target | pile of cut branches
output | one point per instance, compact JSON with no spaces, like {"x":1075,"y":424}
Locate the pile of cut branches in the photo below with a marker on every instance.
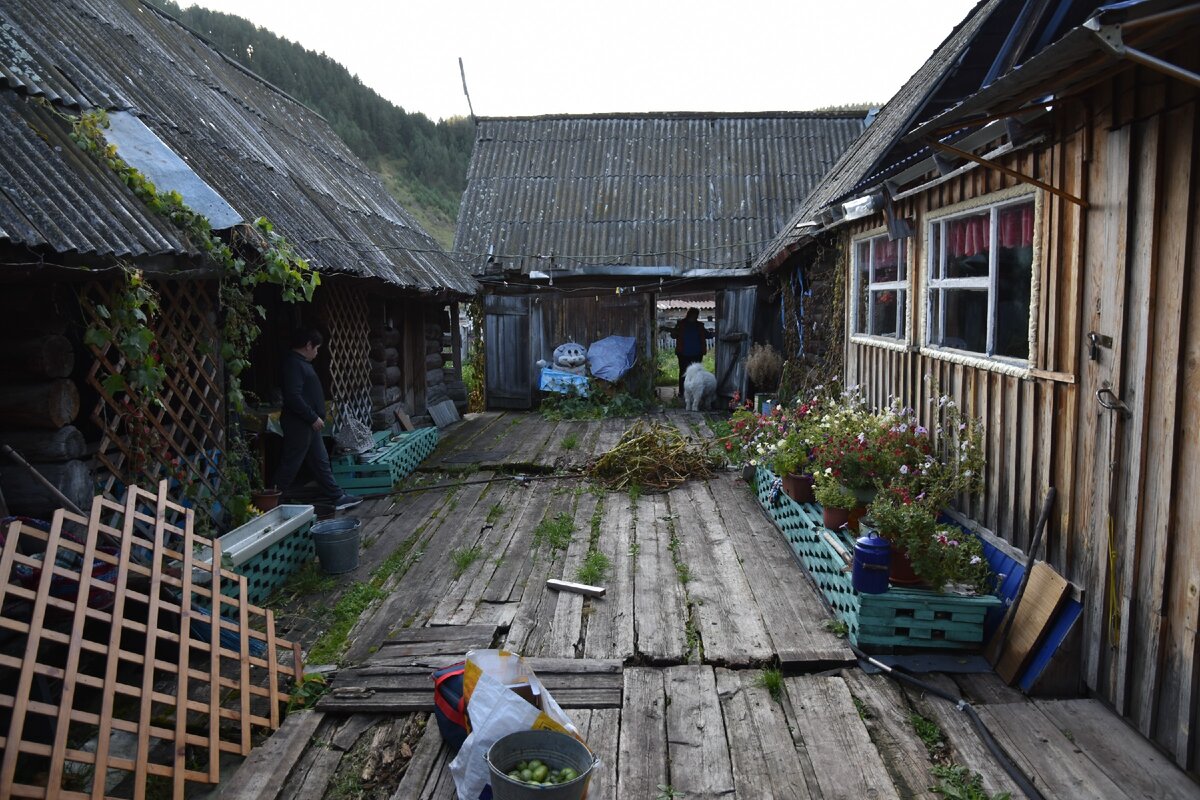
{"x":654,"y":457}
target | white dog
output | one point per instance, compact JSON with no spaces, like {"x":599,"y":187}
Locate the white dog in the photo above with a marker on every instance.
{"x":699,"y":388}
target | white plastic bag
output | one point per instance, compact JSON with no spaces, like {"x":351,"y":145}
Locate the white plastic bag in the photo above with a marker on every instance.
{"x":495,"y":710}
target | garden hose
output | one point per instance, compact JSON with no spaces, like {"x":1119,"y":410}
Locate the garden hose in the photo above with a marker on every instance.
{"x":1002,"y":758}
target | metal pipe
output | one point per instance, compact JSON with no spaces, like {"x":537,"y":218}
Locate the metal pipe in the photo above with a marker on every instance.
{"x":63,"y":500}
{"x":1165,"y":67}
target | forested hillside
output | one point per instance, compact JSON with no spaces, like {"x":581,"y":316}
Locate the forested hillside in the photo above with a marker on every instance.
{"x":423,"y":163}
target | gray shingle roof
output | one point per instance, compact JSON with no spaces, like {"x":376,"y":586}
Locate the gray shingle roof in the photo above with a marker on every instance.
{"x":687,"y":190}
{"x":863,"y":158}
{"x":265,"y":153}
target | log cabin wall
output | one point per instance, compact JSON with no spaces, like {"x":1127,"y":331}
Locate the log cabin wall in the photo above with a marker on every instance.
{"x":1128,"y":510}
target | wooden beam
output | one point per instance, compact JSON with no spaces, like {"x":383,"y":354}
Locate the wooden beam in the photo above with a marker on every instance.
{"x":1012,"y":173}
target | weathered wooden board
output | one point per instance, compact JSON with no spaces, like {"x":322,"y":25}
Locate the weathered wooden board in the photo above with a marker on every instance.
{"x":530,"y":629}
{"x":610,"y":623}
{"x":844,"y":760}
{"x":1044,"y":595}
{"x":412,"y":596}
{"x":427,"y":776}
{"x":561,"y":632}
{"x":396,"y":689}
{"x":792,"y":609}
{"x":261,"y":776}
{"x":506,"y":583}
{"x":966,"y":748}
{"x":1046,"y":754}
{"x":699,"y":752}
{"x":766,"y":764}
{"x":728,"y":619}
{"x":660,"y":607}
{"x":887,"y":717}
{"x":642,"y":747}
{"x":444,"y":640}
{"x":1118,"y":750}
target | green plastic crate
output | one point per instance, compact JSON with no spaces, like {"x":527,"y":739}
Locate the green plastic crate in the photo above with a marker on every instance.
{"x":898,"y":618}
{"x":394,"y":457}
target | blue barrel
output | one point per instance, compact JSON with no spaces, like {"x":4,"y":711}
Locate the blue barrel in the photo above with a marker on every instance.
{"x":872,"y":562}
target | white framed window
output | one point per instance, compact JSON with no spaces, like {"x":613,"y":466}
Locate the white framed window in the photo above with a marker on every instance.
{"x":880,"y":287}
{"x":978,"y":294}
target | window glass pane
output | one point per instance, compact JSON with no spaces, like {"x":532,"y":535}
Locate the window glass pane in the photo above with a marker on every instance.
{"x":1014,"y":265}
{"x":901,"y":261}
{"x":862,"y":279}
{"x":932,"y":324}
{"x":935,"y":253}
{"x":965,"y":319}
{"x":967,"y":244}
{"x":883,"y":322}
{"x":887,"y":259}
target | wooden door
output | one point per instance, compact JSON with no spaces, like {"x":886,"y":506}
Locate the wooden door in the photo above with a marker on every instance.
{"x":735,"y":321}
{"x":506,"y":349}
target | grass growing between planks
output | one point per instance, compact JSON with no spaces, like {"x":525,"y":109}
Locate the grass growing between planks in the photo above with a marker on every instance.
{"x":360,"y":596}
{"x":557,"y":532}
{"x":464,"y":557}
{"x":596,"y":565}
{"x":771,"y":679}
{"x":955,"y":782}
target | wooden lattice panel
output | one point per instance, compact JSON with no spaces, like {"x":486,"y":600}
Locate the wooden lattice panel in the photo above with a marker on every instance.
{"x":114,"y":643}
{"x":343,"y":309}
{"x":187,"y":431}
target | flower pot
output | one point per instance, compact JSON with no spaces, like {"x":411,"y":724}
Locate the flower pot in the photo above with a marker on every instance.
{"x":799,"y":488}
{"x":265,"y":499}
{"x":854,"y":515}
{"x":865,"y":496}
{"x":835,"y":518}
{"x":901,"y":573}
{"x":748,"y":472}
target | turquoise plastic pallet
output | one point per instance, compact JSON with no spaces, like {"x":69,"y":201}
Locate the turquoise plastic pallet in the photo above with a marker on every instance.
{"x":394,"y":457}
{"x":898,"y":618}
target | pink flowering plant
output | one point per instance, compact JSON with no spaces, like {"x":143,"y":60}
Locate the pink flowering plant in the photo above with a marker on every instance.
{"x":951,"y":560}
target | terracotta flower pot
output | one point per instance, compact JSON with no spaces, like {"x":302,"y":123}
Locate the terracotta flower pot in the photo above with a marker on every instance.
{"x":901,"y":573}
{"x":799,"y":488}
{"x":265,"y":499}
{"x":854,"y":515}
{"x":835,"y":518}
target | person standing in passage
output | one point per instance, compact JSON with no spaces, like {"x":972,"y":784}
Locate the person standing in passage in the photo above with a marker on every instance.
{"x":303,"y":418}
{"x":691,"y":342}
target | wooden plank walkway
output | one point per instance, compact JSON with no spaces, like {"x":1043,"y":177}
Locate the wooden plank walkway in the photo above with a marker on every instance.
{"x":667,"y":675}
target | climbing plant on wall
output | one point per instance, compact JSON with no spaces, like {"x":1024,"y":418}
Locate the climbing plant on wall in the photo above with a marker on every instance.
{"x":127,"y":320}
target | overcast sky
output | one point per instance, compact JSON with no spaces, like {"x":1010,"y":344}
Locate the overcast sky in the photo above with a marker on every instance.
{"x":526,"y":57}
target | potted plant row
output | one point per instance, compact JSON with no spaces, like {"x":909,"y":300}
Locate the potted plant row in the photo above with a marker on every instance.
{"x":883,"y":465}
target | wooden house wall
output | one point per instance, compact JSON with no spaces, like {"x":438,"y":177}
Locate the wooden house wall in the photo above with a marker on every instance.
{"x":1122,"y":268}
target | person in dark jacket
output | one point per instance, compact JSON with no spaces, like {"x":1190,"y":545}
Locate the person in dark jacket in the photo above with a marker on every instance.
{"x":303,"y":418}
{"x":691,"y":342}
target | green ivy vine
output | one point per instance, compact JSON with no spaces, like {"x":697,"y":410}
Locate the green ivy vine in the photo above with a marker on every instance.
{"x":127,"y":323}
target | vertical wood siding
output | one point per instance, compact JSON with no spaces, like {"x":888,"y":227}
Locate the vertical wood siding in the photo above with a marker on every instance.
{"x":1124,"y":268}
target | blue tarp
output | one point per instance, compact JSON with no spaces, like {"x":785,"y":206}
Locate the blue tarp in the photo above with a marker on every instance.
{"x":612,"y":357}
{"x":555,"y":380}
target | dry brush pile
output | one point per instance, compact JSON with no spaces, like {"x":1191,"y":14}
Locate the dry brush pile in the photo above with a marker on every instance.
{"x":653,"y":457}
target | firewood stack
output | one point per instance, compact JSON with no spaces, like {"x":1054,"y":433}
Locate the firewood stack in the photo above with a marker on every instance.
{"x":387,"y":389}
{"x":38,"y":403}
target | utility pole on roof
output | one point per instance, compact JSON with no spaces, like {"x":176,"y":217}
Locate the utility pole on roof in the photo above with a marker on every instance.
{"x":462,"y":71}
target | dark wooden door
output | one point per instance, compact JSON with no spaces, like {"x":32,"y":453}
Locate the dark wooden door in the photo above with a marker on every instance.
{"x":506,"y":349}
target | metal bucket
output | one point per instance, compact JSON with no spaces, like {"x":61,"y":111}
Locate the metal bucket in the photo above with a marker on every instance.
{"x":554,"y":749}
{"x":336,"y":541}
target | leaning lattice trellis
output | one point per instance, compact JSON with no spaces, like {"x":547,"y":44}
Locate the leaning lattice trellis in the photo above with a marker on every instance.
{"x":184,"y":437}
{"x":343,"y":309}
{"x":108,"y":671}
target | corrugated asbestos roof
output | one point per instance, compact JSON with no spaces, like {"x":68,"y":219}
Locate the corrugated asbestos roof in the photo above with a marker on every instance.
{"x":863,"y":157}
{"x":685,"y":190}
{"x":266,"y":154}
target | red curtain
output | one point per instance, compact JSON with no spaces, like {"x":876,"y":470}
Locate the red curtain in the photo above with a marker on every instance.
{"x":970,"y":235}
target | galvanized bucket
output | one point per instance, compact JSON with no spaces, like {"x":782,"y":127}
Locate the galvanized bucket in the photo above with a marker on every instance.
{"x":336,"y":541}
{"x":556,"y":750}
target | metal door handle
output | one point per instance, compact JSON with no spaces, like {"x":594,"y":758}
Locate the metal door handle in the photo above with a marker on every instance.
{"x":1108,"y":399}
